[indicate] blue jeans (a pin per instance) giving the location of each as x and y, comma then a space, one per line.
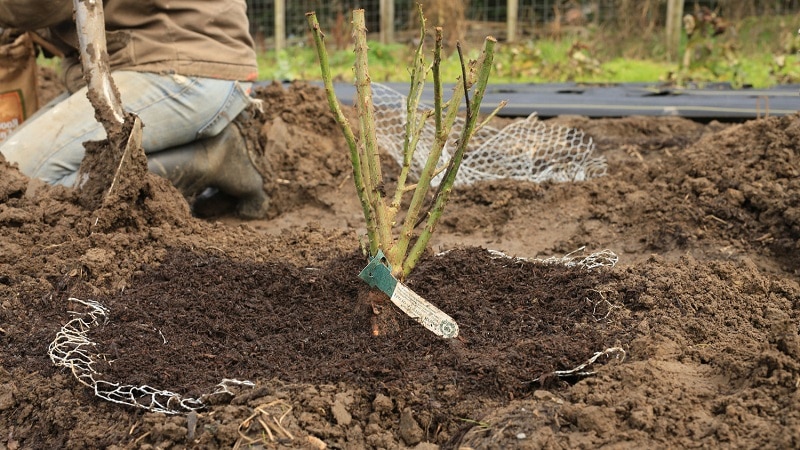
175, 111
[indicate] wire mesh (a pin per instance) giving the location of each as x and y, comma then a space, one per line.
534, 17
333, 16
74, 349
527, 149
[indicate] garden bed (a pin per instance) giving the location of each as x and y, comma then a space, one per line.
702, 304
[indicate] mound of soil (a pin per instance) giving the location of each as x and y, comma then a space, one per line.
255, 333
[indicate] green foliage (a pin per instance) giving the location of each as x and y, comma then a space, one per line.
280, 65
757, 51
715, 51
51, 63
624, 70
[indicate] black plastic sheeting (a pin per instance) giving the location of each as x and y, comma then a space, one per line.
711, 102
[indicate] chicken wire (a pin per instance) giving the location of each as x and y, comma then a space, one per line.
72, 348
580, 260
580, 371
528, 149
576, 258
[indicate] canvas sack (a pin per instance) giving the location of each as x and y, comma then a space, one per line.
18, 96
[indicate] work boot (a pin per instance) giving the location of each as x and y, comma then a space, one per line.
221, 162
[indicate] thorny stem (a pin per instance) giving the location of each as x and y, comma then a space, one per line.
365, 157
413, 125
484, 69
437, 96
464, 77
366, 113
437, 82
429, 171
450, 165
344, 124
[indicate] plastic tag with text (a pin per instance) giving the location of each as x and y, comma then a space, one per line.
379, 275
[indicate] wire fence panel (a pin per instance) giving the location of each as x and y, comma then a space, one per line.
533, 17
333, 16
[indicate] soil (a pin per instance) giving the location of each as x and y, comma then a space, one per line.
255, 333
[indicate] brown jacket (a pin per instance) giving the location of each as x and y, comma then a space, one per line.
205, 38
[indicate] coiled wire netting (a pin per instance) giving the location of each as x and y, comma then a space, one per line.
527, 149
72, 348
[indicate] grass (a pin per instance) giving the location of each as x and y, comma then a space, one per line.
518, 64
758, 52
624, 70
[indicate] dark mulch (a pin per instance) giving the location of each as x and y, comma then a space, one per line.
196, 319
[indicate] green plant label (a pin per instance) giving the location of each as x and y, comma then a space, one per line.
378, 275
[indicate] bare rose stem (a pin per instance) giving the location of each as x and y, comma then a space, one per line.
369, 151
415, 120
442, 130
364, 154
485, 67
344, 124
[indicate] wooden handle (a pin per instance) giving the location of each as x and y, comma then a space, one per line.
103, 92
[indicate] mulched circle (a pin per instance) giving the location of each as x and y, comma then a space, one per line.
196, 319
